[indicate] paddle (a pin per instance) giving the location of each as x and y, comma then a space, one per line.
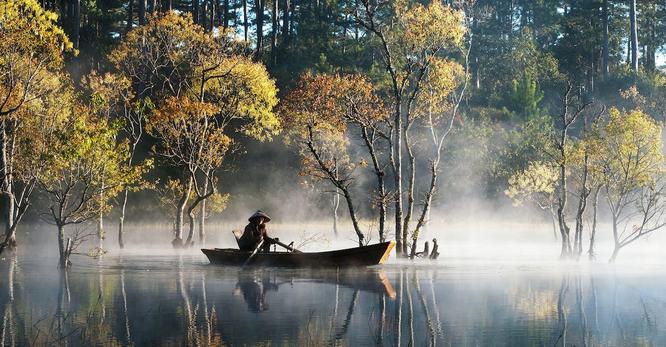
283, 245
254, 252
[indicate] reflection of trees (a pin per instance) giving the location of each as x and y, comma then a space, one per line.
58, 332
580, 334
191, 337
128, 336
426, 312
8, 324
398, 310
342, 330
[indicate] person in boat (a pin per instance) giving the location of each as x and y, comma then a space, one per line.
255, 232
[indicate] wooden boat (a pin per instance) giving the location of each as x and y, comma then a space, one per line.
360, 256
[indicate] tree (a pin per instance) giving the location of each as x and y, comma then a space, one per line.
314, 117
408, 45
537, 184
633, 30
112, 99
572, 108
86, 170
203, 88
630, 170
191, 140
31, 74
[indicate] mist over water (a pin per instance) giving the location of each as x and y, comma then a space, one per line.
505, 287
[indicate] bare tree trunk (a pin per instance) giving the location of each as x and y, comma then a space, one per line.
410, 190
64, 246
616, 239
381, 186
593, 232
584, 193
352, 215
142, 12
223, 14
195, 11
202, 223
274, 32
634, 35
121, 219
285, 21
130, 14
426, 207
259, 19
605, 50
553, 217
190, 235
7, 189
336, 205
202, 218
178, 239
397, 176
245, 21
100, 231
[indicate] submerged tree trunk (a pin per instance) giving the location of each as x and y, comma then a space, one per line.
381, 186
352, 215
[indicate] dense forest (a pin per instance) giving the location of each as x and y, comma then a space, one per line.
389, 109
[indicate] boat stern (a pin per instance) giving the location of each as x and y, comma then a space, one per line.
387, 252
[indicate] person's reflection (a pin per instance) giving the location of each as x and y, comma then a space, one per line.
254, 291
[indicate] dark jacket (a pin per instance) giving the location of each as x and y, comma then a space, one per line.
252, 235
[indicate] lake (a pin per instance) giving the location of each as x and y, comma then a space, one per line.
177, 299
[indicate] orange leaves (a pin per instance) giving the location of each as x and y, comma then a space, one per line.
189, 132
317, 115
329, 101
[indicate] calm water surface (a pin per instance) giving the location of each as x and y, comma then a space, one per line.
176, 300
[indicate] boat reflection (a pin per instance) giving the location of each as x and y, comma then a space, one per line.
253, 285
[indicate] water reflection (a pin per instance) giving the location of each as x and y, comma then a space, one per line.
179, 300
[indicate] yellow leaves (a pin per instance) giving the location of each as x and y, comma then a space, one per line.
27, 28
537, 182
631, 150
243, 90
432, 27
218, 202
190, 134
